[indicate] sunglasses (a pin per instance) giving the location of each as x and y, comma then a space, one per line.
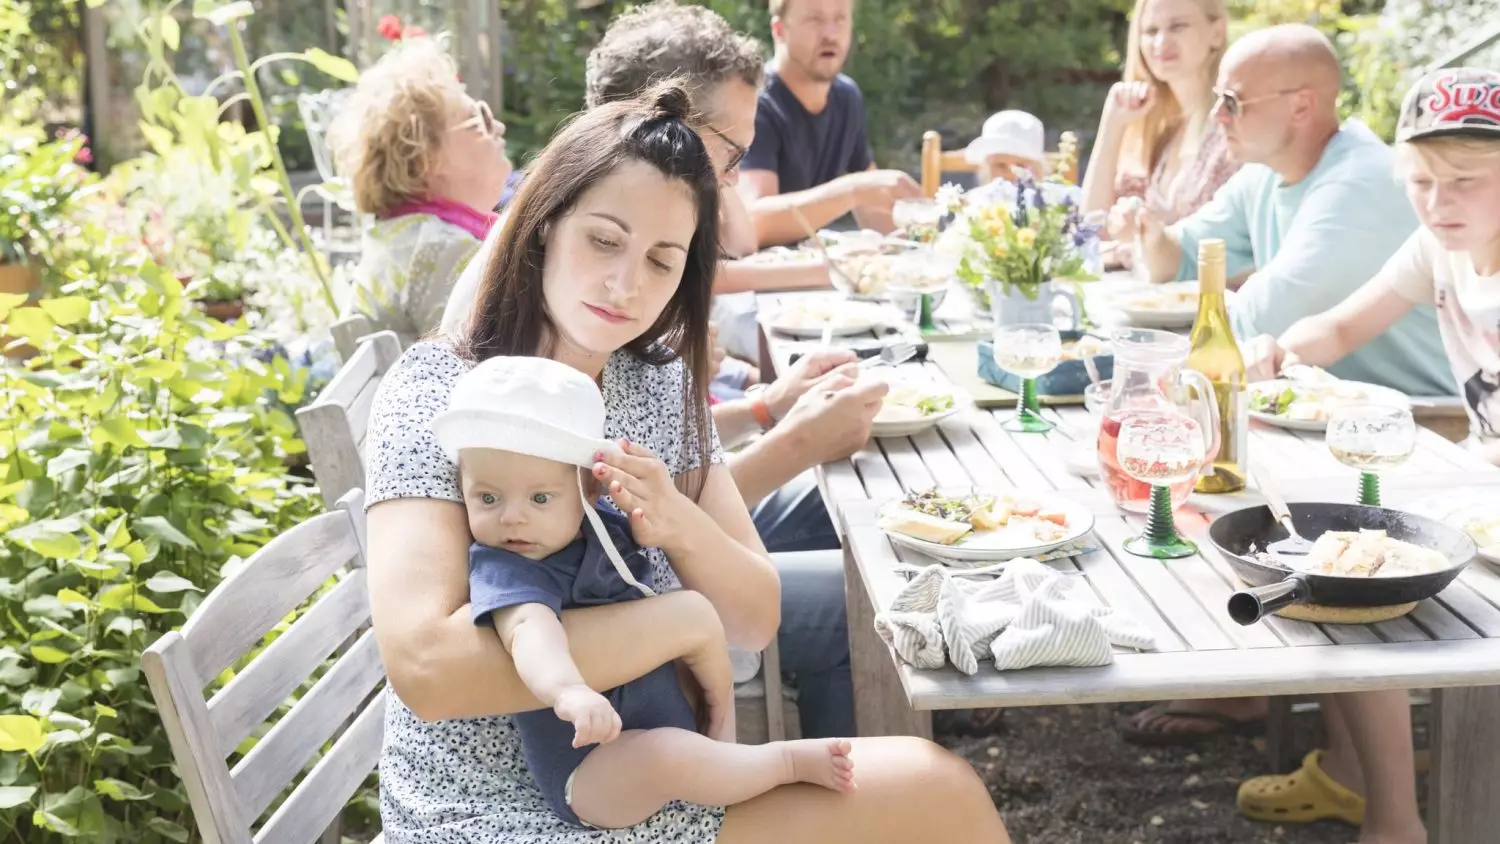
1232, 105
738, 151
483, 119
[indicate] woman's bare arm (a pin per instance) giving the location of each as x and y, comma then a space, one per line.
723, 558
1099, 177
444, 666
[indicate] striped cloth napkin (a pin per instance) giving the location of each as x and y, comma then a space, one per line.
1026, 617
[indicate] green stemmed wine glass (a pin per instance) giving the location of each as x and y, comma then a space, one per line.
1371, 438
1163, 449
1028, 350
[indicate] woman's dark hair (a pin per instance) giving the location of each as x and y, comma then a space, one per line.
510, 314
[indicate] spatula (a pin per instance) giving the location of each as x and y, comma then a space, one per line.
1294, 545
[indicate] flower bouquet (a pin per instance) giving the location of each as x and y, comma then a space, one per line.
1020, 235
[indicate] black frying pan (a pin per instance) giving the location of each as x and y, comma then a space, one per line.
1274, 588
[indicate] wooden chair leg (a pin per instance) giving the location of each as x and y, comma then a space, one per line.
770, 670
1279, 750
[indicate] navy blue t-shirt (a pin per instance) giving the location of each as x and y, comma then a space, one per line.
805, 150
579, 575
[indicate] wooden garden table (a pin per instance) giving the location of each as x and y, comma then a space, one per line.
1450, 644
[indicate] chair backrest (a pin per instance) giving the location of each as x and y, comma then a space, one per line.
318, 110
347, 333
334, 424
936, 161
344, 706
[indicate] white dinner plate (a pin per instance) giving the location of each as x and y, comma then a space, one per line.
905, 427
1457, 509
1370, 394
852, 317
1146, 315
998, 545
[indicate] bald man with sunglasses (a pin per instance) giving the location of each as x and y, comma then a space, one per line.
1314, 212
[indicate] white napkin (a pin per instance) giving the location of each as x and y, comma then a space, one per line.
1024, 618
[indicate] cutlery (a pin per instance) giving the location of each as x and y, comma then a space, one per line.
1294, 545
867, 351
891, 355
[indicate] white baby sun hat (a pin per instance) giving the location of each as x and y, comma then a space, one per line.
537, 407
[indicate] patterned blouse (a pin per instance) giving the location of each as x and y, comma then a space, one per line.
407, 265
464, 781
1196, 181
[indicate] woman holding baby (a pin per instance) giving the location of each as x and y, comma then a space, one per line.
606, 265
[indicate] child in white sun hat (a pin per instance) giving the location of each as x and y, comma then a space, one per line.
1009, 139
522, 431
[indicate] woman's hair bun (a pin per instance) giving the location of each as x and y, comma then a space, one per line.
668, 100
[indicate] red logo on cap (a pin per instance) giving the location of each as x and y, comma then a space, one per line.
1453, 101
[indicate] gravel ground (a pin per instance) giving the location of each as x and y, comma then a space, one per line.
1063, 775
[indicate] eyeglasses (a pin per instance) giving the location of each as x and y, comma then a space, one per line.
738, 151
1233, 106
483, 119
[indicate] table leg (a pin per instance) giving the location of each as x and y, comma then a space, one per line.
1461, 804
767, 360
880, 706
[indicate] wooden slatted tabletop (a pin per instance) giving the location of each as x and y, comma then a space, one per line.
1448, 643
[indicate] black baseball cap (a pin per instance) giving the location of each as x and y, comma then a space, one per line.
1454, 101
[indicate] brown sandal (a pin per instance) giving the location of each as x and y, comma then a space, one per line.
1153, 736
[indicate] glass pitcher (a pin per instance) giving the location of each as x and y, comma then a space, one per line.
1149, 376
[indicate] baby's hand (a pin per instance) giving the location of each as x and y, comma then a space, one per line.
594, 720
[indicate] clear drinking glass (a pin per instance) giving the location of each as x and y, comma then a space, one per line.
1371, 438
919, 218
1029, 351
1161, 449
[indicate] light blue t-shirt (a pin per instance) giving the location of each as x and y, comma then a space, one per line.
1312, 244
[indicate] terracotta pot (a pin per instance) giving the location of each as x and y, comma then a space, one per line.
223, 311
18, 278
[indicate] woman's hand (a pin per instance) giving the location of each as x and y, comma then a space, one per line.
642, 487
807, 372
1265, 358
1128, 101
716, 352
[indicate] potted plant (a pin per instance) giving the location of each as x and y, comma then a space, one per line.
1012, 242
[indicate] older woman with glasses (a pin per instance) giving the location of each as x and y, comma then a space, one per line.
428, 161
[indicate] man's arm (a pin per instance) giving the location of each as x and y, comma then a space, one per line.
1338, 241
742, 276
782, 218
877, 217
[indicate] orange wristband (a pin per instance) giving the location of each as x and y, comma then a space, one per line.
762, 413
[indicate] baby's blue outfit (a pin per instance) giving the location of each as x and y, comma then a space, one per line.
580, 575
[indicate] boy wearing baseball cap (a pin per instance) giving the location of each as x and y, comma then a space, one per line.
522, 431
1448, 147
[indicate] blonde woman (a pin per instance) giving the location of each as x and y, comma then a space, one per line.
428, 162
1155, 138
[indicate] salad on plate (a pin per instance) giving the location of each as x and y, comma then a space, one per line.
982, 525
1307, 397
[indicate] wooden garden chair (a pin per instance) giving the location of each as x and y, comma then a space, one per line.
334, 426
341, 714
347, 333
936, 161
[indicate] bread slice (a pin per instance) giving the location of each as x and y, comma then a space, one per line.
924, 527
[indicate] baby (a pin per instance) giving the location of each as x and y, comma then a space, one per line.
522, 431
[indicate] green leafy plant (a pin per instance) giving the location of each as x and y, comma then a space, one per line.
37, 183
143, 455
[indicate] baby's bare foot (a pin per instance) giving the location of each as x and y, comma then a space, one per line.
822, 762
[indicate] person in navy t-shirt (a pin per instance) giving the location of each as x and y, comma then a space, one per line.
810, 163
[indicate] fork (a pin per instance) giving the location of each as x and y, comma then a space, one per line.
890, 355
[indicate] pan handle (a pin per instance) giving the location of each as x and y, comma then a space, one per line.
1248, 606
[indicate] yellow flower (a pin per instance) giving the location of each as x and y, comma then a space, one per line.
995, 228
998, 249
1026, 237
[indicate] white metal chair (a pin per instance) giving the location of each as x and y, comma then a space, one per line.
344, 706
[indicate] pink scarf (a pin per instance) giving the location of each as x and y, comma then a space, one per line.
473, 221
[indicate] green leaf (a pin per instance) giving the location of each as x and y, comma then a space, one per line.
164, 583
15, 675
15, 795
40, 702
116, 536
46, 538
119, 431
221, 15
11, 301
119, 791
30, 324
77, 814
70, 598
171, 33
49, 655
159, 528
336, 66
167, 829
105, 711
66, 310
125, 595
66, 462
21, 733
